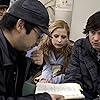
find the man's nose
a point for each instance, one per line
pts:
(96, 37)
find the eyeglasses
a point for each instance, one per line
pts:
(38, 31)
(40, 34)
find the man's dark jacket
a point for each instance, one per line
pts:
(84, 69)
(15, 69)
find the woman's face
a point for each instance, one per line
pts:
(59, 38)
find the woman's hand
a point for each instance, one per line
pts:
(44, 81)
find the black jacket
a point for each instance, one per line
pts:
(15, 69)
(84, 69)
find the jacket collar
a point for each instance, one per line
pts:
(4, 47)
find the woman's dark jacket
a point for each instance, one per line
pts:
(15, 69)
(84, 69)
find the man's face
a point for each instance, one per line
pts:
(26, 41)
(23, 41)
(2, 11)
(94, 37)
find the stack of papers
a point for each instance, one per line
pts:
(68, 90)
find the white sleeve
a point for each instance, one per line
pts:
(47, 72)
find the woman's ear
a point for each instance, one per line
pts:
(19, 25)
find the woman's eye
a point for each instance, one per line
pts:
(56, 36)
(63, 37)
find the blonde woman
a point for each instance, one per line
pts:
(56, 51)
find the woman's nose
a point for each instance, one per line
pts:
(59, 39)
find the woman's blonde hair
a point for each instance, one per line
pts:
(46, 45)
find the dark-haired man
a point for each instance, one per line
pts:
(84, 67)
(22, 25)
(4, 4)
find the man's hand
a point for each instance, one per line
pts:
(37, 57)
(57, 97)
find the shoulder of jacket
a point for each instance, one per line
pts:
(80, 42)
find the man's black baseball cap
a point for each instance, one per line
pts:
(32, 11)
(4, 3)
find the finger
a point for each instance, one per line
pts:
(37, 62)
(37, 52)
(37, 55)
(37, 58)
(60, 97)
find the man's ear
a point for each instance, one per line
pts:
(19, 25)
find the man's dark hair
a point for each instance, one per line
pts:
(93, 23)
(9, 21)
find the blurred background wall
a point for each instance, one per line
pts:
(82, 9)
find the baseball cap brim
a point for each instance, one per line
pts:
(45, 31)
(3, 6)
